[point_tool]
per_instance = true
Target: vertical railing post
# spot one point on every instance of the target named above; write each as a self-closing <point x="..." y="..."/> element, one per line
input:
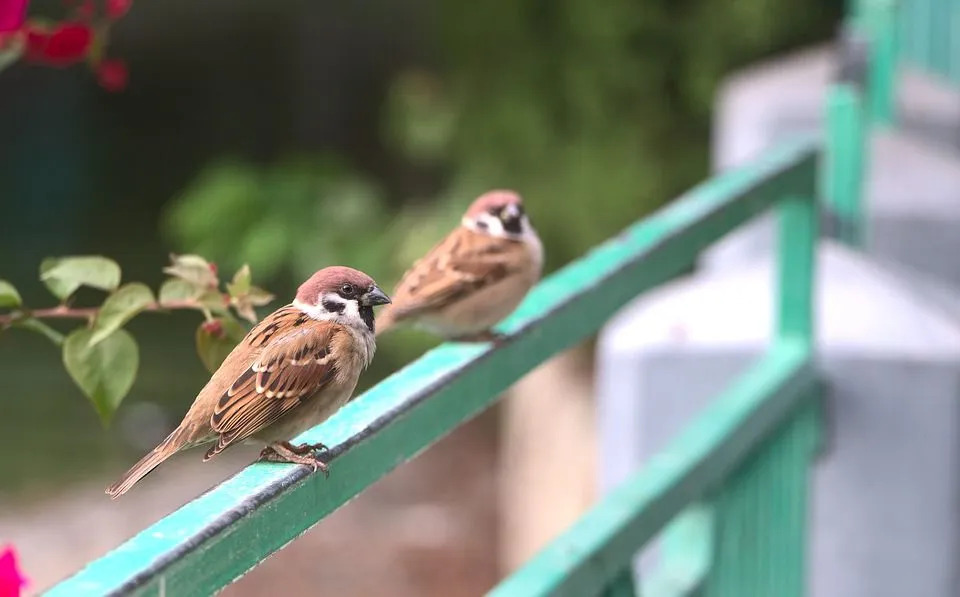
<point x="842" y="165"/>
<point x="843" y="160"/>
<point x="878" y="20"/>
<point x="798" y="234"/>
<point x="761" y="511"/>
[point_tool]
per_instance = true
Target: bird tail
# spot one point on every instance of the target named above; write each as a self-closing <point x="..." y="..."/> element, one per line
<point x="167" y="448"/>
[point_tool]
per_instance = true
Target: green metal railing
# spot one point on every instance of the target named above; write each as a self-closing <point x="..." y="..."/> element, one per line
<point x="879" y="36"/>
<point x="929" y="36"/>
<point x="922" y="33"/>
<point x="733" y="485"/>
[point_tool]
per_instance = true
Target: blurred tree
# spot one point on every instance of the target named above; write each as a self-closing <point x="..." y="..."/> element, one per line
<point x="595" y="112"/>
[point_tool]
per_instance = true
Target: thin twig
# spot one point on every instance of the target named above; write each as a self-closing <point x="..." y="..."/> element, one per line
<point x="88" y="313"/>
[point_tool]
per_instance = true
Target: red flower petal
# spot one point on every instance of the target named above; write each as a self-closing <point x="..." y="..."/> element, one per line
<point x="65" y="45"/>
<point x="12" y="14"/>
<point x="112" y="75"/>
<point x="11" y="579"/>
<point x="214" y="328"/>
<point x="117" y="8"/>
<point x="85" y="10"/>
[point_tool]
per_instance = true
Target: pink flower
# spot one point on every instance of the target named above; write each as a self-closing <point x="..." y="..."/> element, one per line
<point x="213" y="328"/>
<point x="65" y="45"/>
<point x="11" y="580"/>
<point x="112" y="75"/>
<point x="12" y="14"/>
<point x="117" y="8"/>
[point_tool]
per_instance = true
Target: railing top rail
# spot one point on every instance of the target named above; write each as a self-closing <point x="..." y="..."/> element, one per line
<point x="217" y="537"/>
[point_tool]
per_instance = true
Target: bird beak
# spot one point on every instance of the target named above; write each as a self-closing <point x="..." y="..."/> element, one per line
<point x="511" y="212"/>
<point x="373" y="297"/>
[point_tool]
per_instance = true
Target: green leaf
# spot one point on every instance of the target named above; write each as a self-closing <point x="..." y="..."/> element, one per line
<point x="12" y="53"/>
<point x="176" y="290"/>
<point x="241" y="282"/>
<point x="259" y="297"/>
<point x="35" y="325"/>
<point x="64" y="275"/>
<point x="255" y="297"/>
<point x="215" y="339"/>
<point x="193" y="269"/>
<point x="9" y="297"/>
<point x="119" y="308"/>
<point x="213" y="301"/>
<point x="105" y="371"/>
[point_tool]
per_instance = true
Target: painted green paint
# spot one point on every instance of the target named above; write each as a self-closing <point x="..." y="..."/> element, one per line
<point x="622" y="585"/>
<point x="843" y="160"/>
<point x="761" y="515"/>
<point x="929" y="31"/>
<point x="796" y="264"/>
<point x="686" y="555"/>
<point x="879" y="20"/>
<point x="219" y="536"/>
<point x="774" y="393"/>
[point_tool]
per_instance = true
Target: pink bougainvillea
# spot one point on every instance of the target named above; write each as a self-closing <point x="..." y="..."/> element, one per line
<point x="112" y="74"/>
<point x="12" y="14"/>
<point x="64" y="45"/>
<point x="69" y="42"/>
<point x="117" y="8"/>
<point x="12" y="580"/>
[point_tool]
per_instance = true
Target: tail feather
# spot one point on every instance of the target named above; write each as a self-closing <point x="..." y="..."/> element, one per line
<point x="167" y="448"/>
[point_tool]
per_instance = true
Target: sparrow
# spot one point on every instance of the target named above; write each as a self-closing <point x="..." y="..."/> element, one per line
<point x="292" y="371"/>
<point x="475" y="276"/>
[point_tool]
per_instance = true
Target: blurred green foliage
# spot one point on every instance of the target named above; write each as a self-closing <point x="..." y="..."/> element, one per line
<point x="596" y="112"/>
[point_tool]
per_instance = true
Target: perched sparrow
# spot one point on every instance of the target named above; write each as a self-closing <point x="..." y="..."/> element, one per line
<point x="475" y="277"/>
<point x="292" y="371"/>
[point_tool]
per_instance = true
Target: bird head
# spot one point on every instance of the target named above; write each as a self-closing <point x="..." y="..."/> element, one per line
<point x="341" y="294"/>
<point x="499" y="213"/>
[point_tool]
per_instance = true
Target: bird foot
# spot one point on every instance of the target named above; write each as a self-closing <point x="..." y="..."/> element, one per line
<point x="302" y="454"/>
<point x="305" y="448"/>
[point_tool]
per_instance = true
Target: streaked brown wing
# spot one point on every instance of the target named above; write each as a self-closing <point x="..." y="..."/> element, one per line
<point x="461" y="264"/>
<point x="296" y="364"/>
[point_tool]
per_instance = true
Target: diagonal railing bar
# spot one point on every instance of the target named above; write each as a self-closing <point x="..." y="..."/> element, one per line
<point x="222" y="534"/>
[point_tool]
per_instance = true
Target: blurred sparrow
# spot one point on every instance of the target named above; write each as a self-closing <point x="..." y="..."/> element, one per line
<point x="292" y="371"/>
<point x="475" y="277"/>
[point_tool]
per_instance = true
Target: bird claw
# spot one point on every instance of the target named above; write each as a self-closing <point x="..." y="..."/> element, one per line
<point x="289" y="454"/>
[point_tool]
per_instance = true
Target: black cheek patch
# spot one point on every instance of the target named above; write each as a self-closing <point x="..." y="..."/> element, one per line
<point x="366" y="314"/>
<point x="513" y="225"/>
<point x="334" y="306"/>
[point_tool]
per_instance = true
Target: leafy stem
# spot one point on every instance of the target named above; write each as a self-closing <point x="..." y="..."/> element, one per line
<point x="88" y="313"/>
<point x="101" y="356"/>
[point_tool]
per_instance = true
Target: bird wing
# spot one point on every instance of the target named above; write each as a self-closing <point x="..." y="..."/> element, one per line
<point x="461" y="264"/>
<point x="296" y="359"/>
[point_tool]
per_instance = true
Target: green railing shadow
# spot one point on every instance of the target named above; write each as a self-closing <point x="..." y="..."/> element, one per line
<point x="216" y="538"/>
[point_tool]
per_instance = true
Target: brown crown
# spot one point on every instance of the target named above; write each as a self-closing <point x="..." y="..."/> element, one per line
<point x="493" y="200"/>
<point x="330" y="279"/>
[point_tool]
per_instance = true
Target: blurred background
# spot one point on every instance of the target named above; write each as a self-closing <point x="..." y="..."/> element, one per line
<point x="293" y="135"/>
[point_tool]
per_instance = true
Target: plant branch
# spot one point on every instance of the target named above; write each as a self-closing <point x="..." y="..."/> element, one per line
<point x="88" y="313"/>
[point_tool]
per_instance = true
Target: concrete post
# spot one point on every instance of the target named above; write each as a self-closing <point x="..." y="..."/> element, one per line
<point x="884" y="517"/>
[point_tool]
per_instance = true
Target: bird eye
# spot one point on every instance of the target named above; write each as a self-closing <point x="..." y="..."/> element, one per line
<point x="348" y="289"/>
